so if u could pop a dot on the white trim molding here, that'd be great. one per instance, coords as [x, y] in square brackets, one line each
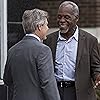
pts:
[3, 34]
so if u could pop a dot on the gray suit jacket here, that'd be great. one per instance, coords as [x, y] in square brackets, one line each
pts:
[29, 70]
[87, 63]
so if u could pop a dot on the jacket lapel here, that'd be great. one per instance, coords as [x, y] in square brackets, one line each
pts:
[54, 44]
[80, 46]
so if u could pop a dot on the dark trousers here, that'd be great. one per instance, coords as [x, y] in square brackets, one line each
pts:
[3, 92]
[67, 93]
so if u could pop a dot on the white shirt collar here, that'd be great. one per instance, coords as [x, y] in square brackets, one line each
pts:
[76, 33]
[34, 36]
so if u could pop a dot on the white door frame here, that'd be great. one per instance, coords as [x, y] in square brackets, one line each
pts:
[3, 35]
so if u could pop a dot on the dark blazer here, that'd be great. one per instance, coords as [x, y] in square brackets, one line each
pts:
[29, 70]
[87, 63]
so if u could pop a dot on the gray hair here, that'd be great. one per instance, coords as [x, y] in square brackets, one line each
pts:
[32, 18]
[75, 7]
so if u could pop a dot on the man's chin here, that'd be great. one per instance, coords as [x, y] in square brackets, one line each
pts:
[64, 31]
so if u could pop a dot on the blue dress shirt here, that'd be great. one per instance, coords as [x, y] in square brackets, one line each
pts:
[65, 60]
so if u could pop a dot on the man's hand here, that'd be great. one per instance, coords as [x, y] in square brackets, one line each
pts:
[97, 82]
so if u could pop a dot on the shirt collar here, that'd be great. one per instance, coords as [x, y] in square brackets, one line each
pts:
[76, 33]
[34, 36]
[74, 36]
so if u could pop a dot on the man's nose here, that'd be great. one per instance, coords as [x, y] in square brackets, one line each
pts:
[62, 19]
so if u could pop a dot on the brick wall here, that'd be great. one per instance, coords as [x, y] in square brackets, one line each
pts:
[89, 15]
[98, 13]
[51, 6]
[89, 11]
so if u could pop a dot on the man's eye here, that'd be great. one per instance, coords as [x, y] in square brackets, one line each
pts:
[59, 17]
[66, 17]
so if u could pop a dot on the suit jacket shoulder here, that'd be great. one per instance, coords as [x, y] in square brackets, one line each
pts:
[87, 34]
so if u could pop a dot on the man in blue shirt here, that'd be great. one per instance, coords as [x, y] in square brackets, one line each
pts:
[75, 55]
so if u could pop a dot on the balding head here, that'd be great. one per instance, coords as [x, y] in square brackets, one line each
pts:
[74, 7]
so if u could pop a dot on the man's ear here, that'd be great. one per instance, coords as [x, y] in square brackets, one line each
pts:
[39, 27]
[77, 18]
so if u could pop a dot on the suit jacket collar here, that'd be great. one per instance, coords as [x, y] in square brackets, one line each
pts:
[29, 38]
[34, 36]
[54, 44]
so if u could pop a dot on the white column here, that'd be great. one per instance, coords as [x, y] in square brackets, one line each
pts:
[3, 34]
